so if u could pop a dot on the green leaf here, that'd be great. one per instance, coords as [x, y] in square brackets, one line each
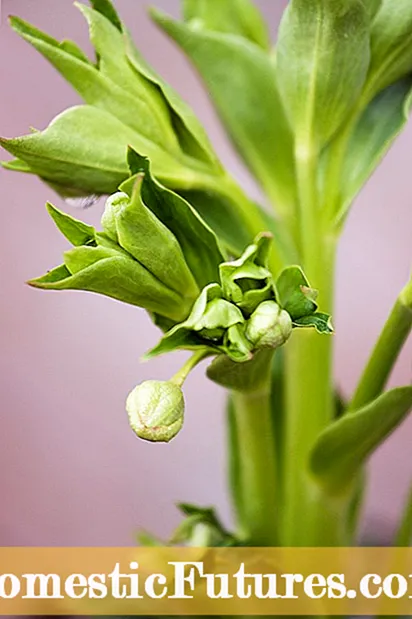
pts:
[404, 534]
[197, 241]
[111, 273]
[95, 88]
[342, 449]
[208, 326]
[75, 231]
[220, 213]
[245, 377]
[106, 8]
[379, 125]
[74, 151]
[322, 60]
[320, 322]
[144, 538]
[201, 527]
[137, 230]
[240, 17]
[373, 7]
[192, 136]
[391, 45]
[114, 65]
[240, 80]
[295, 294]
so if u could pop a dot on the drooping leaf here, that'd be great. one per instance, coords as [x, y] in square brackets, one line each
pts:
[379, 125]
[240, 80]
[74, 151]
[322, 59]
[197, 241]
[342, 449]
[294, 293]
[240, 17]
[76, 232]
[391, 45]
[319, 321]
[111, 273]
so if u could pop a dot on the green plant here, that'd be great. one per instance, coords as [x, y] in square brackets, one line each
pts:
[311, 118]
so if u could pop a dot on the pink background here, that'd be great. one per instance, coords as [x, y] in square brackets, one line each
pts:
[71, 471]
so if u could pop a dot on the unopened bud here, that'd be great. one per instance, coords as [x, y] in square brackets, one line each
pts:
[113, 205]
[156, 410]
[269, 326]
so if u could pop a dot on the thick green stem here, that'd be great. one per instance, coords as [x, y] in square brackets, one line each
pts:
[386, 351]
[309, 399]
[256, 467]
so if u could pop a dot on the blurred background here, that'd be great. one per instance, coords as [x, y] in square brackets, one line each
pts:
[71, 470]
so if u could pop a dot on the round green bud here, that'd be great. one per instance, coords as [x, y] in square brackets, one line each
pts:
[156, 410]
[269, 326]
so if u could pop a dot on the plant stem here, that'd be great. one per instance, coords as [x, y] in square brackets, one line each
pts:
[257, 466]
[386, 350]
[181, 375]
[309, 393]
[404, 534]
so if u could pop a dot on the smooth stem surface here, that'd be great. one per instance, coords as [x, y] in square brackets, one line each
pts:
[404, 535]
[309, 384]
[386, 351]
[257, 466]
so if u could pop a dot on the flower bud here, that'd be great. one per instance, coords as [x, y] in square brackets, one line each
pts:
[269, 326]
[113, 205]
[156, 410]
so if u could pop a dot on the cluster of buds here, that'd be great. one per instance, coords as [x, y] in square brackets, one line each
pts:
[156, 252]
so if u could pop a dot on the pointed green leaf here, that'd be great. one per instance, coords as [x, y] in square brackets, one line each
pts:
[320, 322]
[239, 17]
[113, 64]
[106, 8]
[378, 127]
[74, 151]
[197, 241]
[149, 241]
[112, 274]
[16, 165]
[192, 136]
[342, 449]
[240, 80]
[295, 294]
[391, 45]
[322, 60]
[75, 231]
[95, 88]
